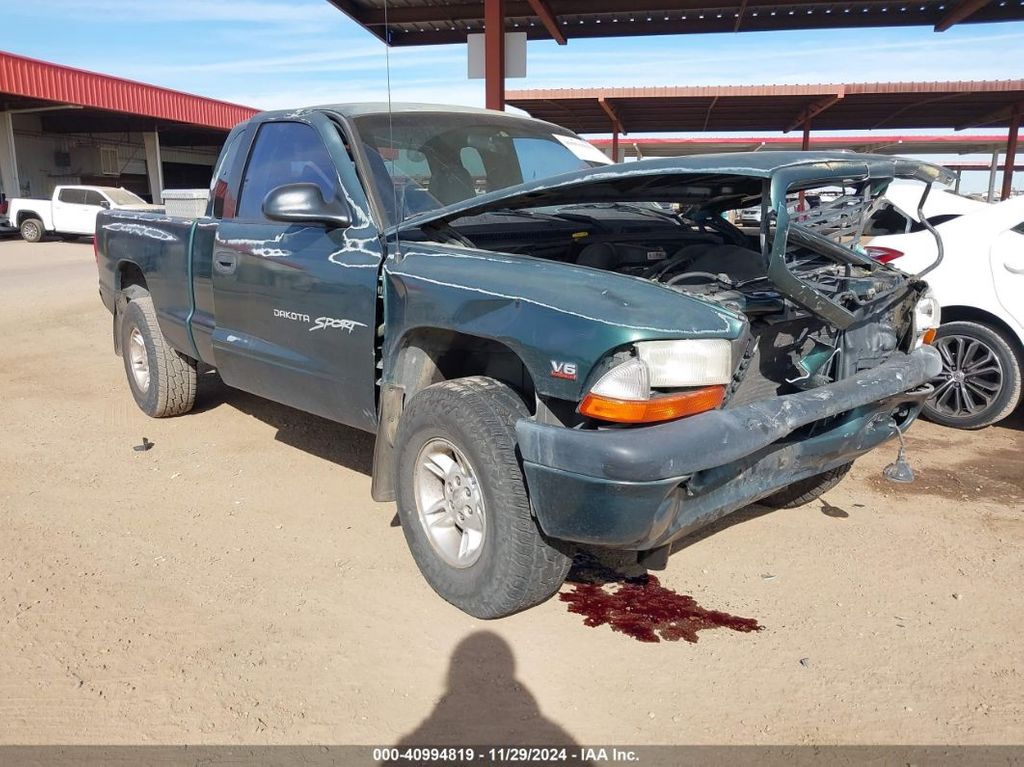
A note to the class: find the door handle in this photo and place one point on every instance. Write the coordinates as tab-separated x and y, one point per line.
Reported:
1014	265
225	263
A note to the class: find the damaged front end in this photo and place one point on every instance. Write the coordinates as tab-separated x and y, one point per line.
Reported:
715	366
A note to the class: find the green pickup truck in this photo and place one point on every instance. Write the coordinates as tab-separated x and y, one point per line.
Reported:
553	351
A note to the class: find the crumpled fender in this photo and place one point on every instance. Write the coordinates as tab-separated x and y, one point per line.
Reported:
549	313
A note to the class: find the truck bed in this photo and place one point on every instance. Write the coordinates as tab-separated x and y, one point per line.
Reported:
131	244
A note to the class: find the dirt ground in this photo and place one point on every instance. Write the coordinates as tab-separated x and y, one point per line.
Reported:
236	584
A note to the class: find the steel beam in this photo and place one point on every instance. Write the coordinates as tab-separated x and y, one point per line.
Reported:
154	166
1011	152
494	53
613	114
815	109
959	12
548	19
993	168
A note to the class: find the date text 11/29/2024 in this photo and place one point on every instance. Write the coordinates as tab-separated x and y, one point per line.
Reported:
505	754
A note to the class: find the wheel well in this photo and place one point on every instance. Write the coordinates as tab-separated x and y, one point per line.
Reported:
129	274
973	314
24	215
429	356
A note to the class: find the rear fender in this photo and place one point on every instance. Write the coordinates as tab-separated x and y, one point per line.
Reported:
130	293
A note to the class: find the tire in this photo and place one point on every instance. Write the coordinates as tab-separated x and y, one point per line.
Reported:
508	565
162	380
806	490
980	382
32	230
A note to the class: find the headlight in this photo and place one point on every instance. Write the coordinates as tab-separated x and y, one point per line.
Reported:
927	316
697	362
625	394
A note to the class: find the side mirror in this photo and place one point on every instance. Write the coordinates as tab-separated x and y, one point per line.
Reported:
105	204
305	204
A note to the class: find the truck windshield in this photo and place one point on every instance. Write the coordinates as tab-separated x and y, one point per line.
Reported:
423	161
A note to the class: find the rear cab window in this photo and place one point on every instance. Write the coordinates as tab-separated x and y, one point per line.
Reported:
72	196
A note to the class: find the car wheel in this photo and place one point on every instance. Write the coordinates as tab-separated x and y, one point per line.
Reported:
162	380
32	230
462	500
980	382
806	490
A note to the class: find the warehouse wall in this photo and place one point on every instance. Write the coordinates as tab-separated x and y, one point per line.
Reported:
49	160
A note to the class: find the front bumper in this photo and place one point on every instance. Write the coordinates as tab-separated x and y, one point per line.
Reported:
641	488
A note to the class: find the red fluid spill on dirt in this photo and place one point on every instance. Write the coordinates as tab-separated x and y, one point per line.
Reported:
641	607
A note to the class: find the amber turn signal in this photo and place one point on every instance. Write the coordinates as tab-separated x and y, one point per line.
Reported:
929	335
662	407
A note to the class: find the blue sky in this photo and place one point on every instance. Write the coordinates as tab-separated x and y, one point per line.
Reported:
283	53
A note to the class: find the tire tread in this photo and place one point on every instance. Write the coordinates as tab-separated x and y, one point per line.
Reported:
175	376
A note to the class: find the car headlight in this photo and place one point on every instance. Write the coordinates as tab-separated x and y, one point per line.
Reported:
628	392
927	317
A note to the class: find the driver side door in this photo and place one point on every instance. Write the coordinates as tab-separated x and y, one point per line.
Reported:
295	304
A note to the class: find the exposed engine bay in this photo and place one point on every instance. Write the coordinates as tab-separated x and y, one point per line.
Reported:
789	348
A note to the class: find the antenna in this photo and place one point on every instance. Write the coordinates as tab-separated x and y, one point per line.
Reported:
399	214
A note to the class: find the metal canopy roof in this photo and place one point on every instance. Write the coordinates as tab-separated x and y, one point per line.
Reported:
430	22
72	100
889	144
723	109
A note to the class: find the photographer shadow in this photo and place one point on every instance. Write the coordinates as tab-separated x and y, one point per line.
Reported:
485	705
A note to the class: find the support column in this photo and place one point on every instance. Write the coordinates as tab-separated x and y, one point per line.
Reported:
8	158
992	170
494	54
1011	152
154	166
615	145
805	144
956	187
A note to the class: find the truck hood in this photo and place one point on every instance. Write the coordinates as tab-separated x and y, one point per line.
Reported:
712	181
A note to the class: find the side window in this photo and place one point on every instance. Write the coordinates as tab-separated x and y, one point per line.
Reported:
1019	229
72	196
285	153
92	197
540	158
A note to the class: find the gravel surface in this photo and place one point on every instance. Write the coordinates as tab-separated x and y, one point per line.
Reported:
236	584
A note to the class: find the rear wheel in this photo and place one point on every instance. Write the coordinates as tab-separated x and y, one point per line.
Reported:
32	230
162	380
806	490
980	382
462	500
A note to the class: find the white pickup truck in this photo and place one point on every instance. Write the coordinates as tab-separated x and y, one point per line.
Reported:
71	211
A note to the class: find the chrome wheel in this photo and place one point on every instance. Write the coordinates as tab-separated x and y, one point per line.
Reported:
449	503
30	231
971	378
139	359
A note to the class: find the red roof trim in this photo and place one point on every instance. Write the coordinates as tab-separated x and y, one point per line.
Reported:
31	78
882	139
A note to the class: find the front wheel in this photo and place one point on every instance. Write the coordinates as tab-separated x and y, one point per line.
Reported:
980	382
462	500
32	230
162	380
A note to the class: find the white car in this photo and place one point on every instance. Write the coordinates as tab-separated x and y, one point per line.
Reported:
980	287
71	211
